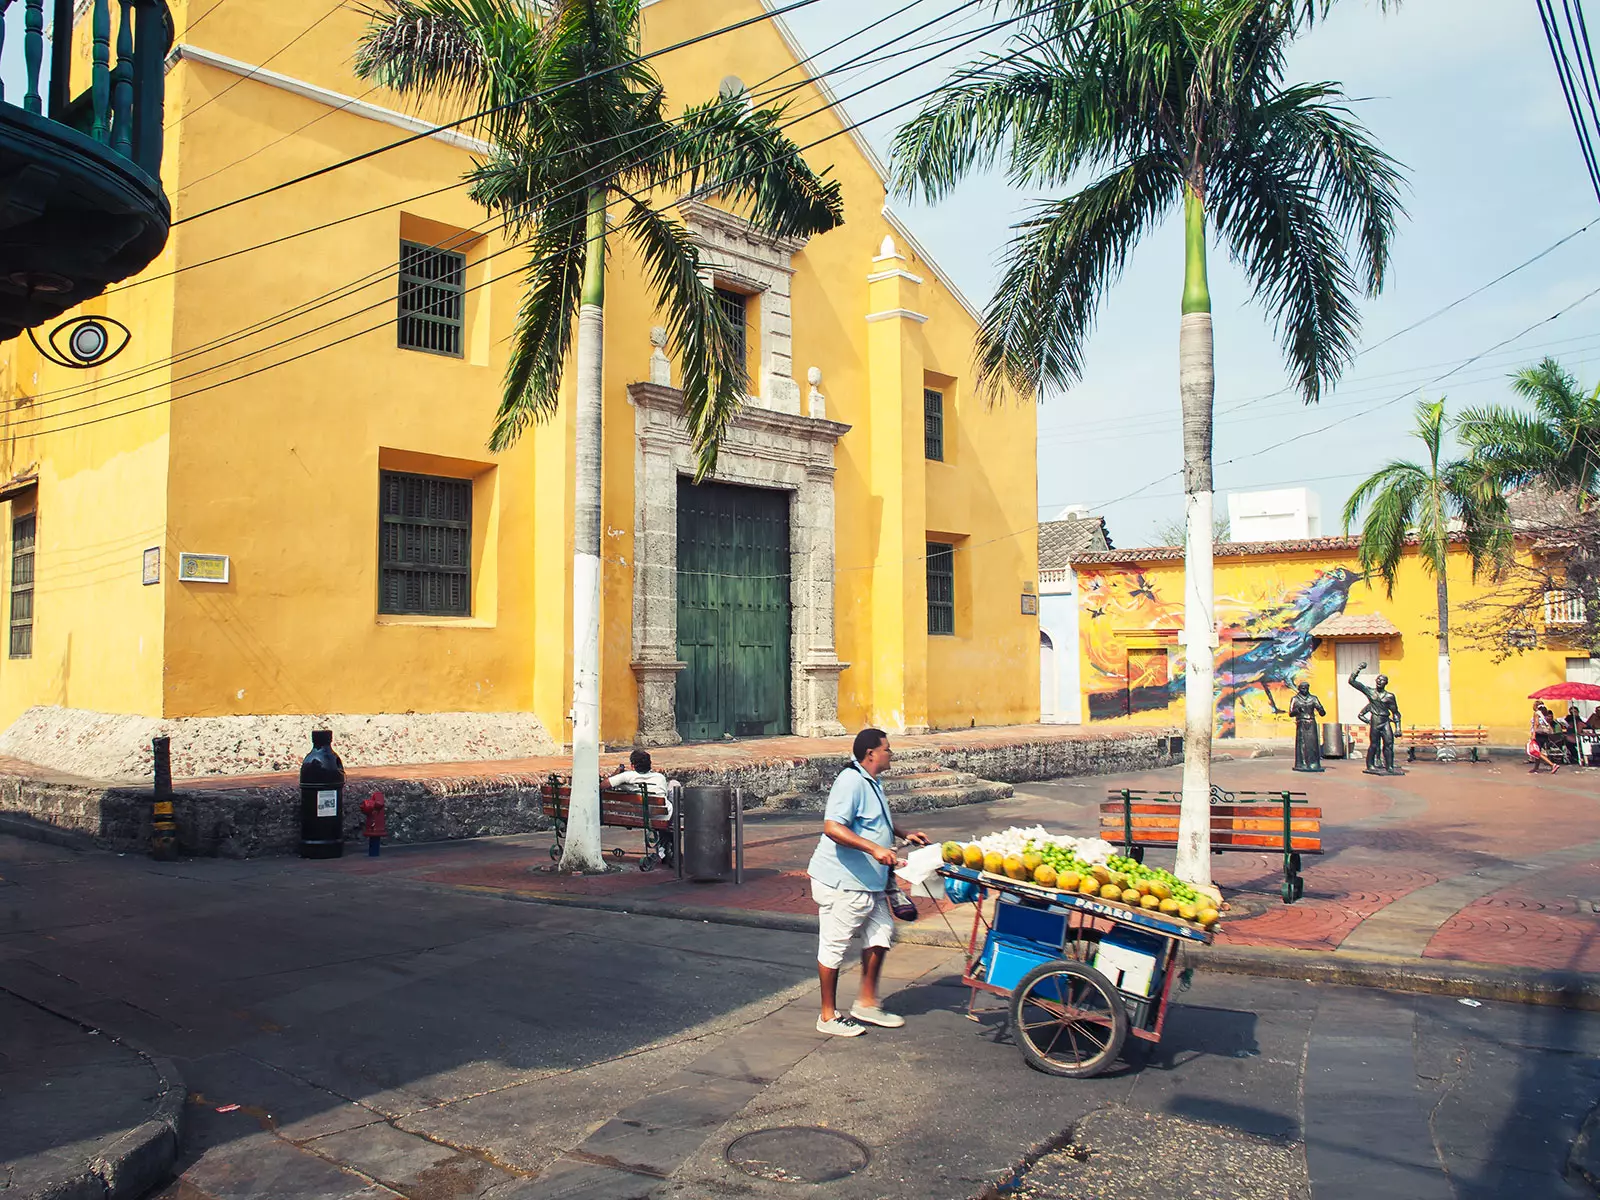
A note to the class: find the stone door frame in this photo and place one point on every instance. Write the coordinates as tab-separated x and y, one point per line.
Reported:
765	449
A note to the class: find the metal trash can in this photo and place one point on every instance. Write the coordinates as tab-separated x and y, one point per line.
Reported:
711	834
1333	743
322	799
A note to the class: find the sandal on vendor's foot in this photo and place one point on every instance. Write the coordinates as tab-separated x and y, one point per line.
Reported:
872	1015
840	1025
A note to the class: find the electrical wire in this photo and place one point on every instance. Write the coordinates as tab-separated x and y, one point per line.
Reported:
388	270
845	129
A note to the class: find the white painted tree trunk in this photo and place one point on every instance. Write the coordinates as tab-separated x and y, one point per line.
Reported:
1446	752
582	851
1196	385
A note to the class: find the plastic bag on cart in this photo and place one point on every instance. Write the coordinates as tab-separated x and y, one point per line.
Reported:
961	891
920	872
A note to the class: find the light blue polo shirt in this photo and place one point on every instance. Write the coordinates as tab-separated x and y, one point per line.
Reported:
856	802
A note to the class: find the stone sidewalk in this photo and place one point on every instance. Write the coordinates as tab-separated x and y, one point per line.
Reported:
1452	870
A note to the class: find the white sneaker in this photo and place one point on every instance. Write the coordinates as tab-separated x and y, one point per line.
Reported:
840	1026
877	1016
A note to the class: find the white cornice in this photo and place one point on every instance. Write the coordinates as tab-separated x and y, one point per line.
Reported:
890	314
322	95
894	273
899	227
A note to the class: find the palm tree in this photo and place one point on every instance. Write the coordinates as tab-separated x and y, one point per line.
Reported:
1432	504
578	127
1556	446
1167	102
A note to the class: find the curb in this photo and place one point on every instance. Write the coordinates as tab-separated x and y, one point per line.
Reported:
142	1157
1437	977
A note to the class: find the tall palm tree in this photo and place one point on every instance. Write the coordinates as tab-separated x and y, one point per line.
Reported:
582	151
1432	502
1167	102
1557	445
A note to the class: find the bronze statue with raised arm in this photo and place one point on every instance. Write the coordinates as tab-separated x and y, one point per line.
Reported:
1382	715
1305	709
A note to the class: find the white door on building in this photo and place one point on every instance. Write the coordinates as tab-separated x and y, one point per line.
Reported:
1347	656
1047	677
1584	670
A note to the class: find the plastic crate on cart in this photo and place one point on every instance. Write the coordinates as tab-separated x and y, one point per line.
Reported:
1045	926
1007	959
1131	960
1141	1010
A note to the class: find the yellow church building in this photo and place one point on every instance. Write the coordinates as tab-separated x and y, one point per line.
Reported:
277	500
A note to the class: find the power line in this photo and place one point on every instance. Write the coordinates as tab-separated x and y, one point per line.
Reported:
845	129
1558	53
379	274
600	73
388	271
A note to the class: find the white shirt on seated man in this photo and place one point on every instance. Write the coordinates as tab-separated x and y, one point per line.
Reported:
637	771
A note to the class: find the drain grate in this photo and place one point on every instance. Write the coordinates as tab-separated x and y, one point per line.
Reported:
797	1154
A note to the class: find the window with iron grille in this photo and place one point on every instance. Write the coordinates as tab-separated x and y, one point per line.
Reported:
425	545
22	530
736	307
432	298
941	588
933	424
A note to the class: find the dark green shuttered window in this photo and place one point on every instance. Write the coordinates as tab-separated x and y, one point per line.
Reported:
425	545
22	537
941	588
933	424
432	298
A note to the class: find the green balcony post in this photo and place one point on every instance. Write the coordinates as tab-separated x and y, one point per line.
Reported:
100	73
122	85
153	38
33	52
60	60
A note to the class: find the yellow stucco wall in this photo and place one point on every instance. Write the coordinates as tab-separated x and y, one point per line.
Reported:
1131	614
273	459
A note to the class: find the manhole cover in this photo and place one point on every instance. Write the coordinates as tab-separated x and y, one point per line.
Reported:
797	1154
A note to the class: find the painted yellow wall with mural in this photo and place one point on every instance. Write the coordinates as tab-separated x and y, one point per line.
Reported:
273	394
1131	617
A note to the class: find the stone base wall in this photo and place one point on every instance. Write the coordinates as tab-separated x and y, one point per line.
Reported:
249	822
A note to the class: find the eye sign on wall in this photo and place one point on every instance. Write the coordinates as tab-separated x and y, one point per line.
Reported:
203	568
84	342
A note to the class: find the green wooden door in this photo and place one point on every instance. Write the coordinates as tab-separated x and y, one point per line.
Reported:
733	611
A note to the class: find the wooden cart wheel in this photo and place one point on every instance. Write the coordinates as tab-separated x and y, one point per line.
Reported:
1068	1019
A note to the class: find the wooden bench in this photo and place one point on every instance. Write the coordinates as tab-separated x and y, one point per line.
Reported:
628	807
1423	738
1243	822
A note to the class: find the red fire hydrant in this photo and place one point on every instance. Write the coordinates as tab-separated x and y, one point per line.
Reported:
377	824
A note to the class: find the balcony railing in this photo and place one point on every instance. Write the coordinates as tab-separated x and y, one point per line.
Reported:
81	205
1564	608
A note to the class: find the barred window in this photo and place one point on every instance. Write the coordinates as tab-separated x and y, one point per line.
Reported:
432	288
22	534
933	424
736	307
941	588
425	545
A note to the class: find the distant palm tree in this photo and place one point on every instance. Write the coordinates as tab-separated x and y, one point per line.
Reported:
578	125
1430	504
1170	102
1556	446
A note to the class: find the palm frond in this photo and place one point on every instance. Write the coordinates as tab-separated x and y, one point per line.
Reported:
1391	496
725	149
1057	269
698	333
546	320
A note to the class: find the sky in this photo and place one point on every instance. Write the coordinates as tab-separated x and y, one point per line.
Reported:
1462	92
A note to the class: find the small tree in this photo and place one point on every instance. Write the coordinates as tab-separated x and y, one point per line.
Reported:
578	124
1430	505
1556	446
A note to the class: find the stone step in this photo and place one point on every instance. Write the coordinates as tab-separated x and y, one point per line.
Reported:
911	781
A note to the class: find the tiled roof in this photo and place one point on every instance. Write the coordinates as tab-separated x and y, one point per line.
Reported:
1539	506
1062	541
1356	625
1146	554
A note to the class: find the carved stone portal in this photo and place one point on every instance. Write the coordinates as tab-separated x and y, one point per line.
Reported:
762	449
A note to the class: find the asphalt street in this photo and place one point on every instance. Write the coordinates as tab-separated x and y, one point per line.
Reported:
345	1034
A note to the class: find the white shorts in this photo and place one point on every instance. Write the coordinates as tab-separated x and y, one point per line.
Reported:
843	913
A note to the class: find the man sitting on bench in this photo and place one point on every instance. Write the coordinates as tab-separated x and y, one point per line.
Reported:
638	771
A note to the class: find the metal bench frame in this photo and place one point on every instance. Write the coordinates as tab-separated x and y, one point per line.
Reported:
1294	885
1426	736
555	799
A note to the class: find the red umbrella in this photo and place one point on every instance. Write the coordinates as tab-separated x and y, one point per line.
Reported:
1567	691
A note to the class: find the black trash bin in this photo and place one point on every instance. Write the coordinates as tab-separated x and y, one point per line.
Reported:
712	825
322	799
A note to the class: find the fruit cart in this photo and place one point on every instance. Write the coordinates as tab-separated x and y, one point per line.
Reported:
1082	973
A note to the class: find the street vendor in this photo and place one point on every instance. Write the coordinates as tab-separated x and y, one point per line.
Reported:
849	881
